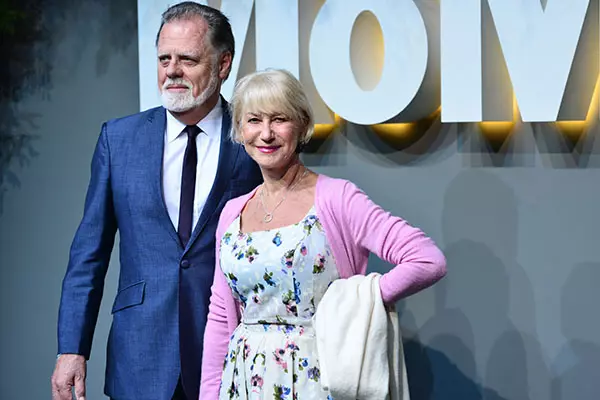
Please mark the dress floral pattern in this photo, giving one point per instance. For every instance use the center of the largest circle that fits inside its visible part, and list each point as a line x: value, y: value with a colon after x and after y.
x: 279, y: 276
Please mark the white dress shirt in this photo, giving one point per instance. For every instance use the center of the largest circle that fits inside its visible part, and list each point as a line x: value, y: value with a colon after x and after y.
x: 208, y: 144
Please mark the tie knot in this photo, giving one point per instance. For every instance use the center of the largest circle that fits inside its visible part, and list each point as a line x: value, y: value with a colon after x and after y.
x: 192, y: 131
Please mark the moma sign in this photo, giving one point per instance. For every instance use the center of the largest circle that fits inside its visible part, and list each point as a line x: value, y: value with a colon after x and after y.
x: 378, y: 61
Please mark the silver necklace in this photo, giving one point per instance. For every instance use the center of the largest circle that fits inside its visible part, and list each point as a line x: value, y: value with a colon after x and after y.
x: 269, y: 214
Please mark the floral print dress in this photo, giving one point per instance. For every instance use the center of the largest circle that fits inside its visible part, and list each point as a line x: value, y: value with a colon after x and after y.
x: 279, y: 276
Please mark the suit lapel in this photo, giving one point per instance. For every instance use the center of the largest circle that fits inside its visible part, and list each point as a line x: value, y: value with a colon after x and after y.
x: 154, y: 135
x: 227, y: 157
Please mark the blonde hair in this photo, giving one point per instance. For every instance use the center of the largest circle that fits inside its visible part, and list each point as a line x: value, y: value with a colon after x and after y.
x: 271, y: 92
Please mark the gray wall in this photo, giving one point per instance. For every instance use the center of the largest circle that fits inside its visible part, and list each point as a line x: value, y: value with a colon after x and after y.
x: 514, y: 319
x: 92, y: 76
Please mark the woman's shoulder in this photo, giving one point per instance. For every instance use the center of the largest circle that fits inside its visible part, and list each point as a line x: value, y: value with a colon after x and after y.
x: 336, y: 196
x: 335, y: 188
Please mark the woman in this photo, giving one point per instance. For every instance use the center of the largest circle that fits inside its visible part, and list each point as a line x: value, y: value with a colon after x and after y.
x: 280, y: 246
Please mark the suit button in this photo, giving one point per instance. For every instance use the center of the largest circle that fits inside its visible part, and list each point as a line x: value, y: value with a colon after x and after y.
x: 185, y: 264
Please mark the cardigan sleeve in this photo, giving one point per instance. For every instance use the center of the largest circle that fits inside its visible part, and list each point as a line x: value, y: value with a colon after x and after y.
x: 419, y: 263
x: 216, y: 334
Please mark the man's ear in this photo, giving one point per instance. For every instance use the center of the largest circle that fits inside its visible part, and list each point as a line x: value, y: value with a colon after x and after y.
x: 225, y: 61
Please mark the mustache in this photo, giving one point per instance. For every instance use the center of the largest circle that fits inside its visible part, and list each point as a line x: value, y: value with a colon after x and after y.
x: 178, y: 82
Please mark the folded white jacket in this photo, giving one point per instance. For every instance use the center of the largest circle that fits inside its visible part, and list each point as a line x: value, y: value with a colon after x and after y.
x: 359, y: 342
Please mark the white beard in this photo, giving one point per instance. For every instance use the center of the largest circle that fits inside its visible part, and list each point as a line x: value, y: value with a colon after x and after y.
x: 181, y: 102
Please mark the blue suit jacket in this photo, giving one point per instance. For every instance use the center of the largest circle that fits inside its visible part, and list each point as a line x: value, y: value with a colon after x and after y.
x: 160, y: 310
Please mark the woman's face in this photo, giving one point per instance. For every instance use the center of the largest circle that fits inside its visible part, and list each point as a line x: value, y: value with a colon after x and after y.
x: 271, y: 140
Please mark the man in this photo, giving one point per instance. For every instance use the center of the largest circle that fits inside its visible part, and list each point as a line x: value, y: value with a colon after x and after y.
x: 161, y: 178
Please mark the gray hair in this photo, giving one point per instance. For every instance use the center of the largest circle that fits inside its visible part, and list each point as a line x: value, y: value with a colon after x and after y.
x: 220, y: 33
x: 270, y: 92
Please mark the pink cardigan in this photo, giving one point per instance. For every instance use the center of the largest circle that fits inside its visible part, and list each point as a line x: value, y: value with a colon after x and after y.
x: 354, y: 226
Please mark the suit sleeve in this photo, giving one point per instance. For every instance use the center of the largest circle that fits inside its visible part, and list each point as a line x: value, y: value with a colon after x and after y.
x: 419, y: 263
x: 83, y: 283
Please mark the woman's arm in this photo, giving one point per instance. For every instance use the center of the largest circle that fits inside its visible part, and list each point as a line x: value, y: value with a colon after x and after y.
x: 419, y: 263
x: 216, y: 334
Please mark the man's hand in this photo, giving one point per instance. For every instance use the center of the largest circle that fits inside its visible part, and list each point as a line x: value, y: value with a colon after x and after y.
x: 69, y: 372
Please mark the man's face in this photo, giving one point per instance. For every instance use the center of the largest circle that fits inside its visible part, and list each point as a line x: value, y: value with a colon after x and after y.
x: 189, y: 69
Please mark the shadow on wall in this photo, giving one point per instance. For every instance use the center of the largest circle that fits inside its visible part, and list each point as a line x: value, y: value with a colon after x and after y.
x: 528, y: 141
x: 480, y: 343
x: 576, y: 368
x: 30, y: 31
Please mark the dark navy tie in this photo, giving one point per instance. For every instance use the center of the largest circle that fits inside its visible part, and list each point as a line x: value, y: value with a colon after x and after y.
x: 188, y: 186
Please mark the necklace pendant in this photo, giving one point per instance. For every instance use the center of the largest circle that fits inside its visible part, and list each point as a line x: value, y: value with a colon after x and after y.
x: 268, y: 217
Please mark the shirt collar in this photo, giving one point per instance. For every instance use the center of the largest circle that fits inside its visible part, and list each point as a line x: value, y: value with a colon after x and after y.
x: 210, y: 125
